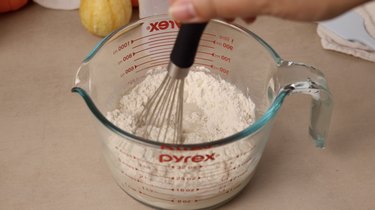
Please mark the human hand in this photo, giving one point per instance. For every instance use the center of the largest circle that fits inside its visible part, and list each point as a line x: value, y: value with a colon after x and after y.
x: 299, y: 10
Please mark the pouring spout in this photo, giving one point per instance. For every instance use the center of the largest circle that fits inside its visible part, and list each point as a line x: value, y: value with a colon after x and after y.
x: 82, y: 78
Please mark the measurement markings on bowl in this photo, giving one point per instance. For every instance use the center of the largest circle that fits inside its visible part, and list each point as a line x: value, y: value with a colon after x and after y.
x: 165, y: 53
x: 147, y: 176
x: 149, y: 191
x: 166, y: 196
x: 141, y: 55
x: 144, y: 179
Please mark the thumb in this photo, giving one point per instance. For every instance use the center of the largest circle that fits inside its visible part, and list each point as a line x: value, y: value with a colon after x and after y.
x: 203, y: 10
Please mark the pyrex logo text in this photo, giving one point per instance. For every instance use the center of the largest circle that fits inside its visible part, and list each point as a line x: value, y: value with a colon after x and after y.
x: 162, y: 25
x: 185, y: 159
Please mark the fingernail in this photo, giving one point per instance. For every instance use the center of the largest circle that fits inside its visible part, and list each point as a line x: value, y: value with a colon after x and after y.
x: 182, y: 11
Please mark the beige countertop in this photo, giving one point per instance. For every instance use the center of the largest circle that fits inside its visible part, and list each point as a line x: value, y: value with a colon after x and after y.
x: 50, y: 156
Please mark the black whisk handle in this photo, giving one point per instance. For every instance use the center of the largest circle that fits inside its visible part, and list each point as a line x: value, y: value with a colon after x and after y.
x: 186, y: 45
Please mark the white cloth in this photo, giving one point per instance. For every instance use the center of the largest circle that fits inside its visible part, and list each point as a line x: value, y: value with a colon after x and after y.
x: 368, y: 14
x: 332, y: 41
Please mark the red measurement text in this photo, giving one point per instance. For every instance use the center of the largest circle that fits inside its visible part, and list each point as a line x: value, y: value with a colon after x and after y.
x: 187, y: 167
x: 130, y: 69
x: 184, y: 201
x: 226, y: 38
x: 185, y: 190
x: 224, y: 70
x: 124, y: 45
x: 225, y: 58
x: 127, y: 57
x: 228, y: 46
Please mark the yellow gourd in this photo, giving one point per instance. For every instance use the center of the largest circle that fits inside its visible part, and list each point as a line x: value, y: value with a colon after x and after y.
x: 101, y: 17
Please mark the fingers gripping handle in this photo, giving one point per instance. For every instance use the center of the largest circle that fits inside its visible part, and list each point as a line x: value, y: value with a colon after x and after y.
x: 186, y: 45
x: 308, y: 80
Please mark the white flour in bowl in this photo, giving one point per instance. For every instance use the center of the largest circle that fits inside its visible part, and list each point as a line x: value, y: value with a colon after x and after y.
x: 175, y: 178
x: 213, y: 108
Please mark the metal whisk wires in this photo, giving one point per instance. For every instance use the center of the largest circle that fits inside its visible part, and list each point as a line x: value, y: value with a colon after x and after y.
x: 161, y: 119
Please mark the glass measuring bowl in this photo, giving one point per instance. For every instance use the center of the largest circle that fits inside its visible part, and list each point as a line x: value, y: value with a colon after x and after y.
x: 195, y: 176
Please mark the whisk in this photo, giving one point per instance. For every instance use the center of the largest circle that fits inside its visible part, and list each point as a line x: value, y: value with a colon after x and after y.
x: 161, y: 118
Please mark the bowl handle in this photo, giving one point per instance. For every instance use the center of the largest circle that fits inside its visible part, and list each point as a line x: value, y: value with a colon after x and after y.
x: 296, y: 77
